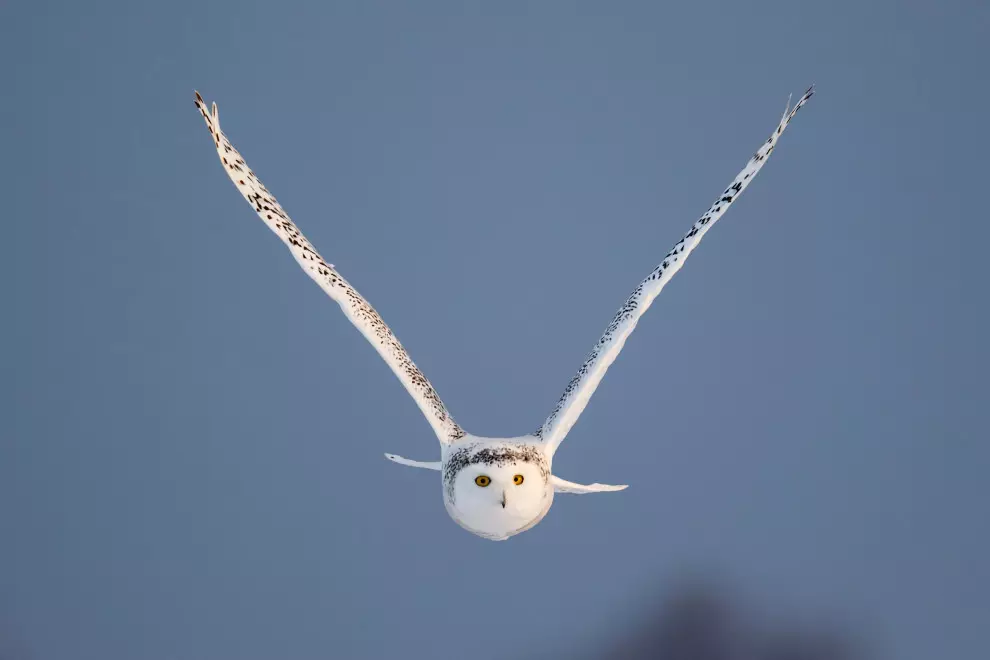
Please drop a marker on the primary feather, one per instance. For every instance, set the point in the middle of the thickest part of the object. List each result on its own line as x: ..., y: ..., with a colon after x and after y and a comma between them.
x: 575, y: 398
x: 355, y: 307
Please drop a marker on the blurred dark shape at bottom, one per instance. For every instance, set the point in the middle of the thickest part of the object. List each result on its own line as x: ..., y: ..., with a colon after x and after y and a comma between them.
x: 701, y: 622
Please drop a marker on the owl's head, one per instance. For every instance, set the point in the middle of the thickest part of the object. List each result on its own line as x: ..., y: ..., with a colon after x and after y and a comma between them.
x: 497, y: 491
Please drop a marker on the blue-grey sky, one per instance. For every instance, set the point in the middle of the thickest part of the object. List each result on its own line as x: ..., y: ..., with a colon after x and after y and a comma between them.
x: 191, y: 433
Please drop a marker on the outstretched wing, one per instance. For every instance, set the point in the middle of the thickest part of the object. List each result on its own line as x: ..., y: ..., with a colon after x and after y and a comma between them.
x: 428, y: 465
x: 564, y: 486
x: 584, y: 383
x: 357, y: 309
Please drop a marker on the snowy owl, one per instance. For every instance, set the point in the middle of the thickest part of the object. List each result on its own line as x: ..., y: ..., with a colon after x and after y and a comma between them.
x: 493, y: 487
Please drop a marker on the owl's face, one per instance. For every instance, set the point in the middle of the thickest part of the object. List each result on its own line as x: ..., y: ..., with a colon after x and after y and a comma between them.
x: 497, y: 493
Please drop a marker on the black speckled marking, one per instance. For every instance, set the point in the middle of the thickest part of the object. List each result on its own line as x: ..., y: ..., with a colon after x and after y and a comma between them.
x: 357, y: 309
x: 598, y: 361
x: 499, y: 456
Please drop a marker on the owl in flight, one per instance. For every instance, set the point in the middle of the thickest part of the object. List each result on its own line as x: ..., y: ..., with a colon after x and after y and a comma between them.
x: 492, y: 487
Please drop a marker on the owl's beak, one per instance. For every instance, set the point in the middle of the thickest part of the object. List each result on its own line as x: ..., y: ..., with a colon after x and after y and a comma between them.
x: 503, y: 499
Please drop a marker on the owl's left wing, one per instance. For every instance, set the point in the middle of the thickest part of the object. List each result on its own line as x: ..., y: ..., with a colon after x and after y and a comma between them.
x: 583, y: 385
x: 564, y: 486
x: 355, y: 307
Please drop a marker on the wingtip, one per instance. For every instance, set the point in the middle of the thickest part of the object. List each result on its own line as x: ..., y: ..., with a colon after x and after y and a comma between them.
x: 790, y: 112
x: 608, y: 488
x: 198, y: 97
x: 808, y: 93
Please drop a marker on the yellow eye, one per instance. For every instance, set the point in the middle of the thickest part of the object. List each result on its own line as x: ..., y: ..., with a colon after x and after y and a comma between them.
x: 482, y: 480
x: 518, y: 479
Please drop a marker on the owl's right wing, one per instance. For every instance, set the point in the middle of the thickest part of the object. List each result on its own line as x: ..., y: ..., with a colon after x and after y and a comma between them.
x: 583, y: 385
x: 355, y: 307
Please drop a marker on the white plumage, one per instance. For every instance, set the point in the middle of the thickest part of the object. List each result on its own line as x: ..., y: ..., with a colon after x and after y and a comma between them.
x: 493, y: 487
